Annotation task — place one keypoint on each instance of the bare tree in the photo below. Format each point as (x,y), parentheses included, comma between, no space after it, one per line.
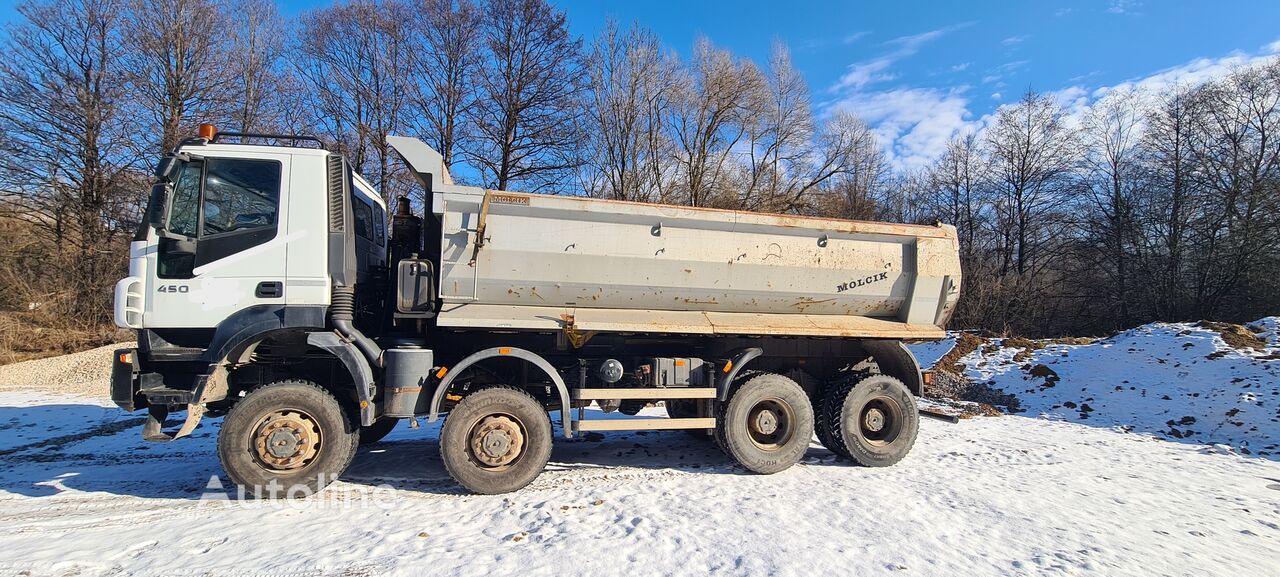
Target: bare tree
(781,134)
(1112,136)
(179,61)
(354,61)
(526,116)
(632,79)
(63,93)
(851,171)
(446,63)
(1236,148)
(1033,155)
(257,39)
(1168,199)
(958,181)
(710,117)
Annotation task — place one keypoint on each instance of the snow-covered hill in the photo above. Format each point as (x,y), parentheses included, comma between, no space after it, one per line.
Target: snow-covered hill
(1179,381)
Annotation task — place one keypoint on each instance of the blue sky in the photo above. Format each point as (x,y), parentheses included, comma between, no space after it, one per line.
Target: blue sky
(919,71)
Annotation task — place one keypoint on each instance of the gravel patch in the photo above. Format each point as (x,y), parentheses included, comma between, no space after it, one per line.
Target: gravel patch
(86,373)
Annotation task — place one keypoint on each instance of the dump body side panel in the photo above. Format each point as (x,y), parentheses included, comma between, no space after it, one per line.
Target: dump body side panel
(623,263)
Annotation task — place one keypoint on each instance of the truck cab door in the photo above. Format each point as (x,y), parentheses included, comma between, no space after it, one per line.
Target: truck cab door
(221,248)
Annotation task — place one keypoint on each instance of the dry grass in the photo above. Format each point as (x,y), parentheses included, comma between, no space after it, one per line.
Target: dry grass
(1236,336)
(26,336)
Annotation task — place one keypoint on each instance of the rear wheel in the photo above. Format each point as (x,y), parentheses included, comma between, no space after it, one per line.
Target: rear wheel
(873,420)
(287,439)
(496,440)
(827,414)
(767,424)
(378,430)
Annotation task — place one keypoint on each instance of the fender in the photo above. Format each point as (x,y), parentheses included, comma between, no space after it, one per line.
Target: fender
(356,364)
(242,329)
(739,359)
(521,354)
(248,325)
(896,360)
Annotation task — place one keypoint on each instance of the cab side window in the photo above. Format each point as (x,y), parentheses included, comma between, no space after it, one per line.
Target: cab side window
(379,226)
(364,218)
(240,194)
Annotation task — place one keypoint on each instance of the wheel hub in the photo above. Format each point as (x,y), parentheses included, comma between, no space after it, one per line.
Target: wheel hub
(880,420)
(873,420)
(286,439)
(770,424)
(496,441)
(766,422)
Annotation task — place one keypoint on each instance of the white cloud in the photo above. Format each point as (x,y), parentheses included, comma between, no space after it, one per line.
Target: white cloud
(914,124)
(961,67)
(854,37)
(866,72)
(1124,6)
(1012,40)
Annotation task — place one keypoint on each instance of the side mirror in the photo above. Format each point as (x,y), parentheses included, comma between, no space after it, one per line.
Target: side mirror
(164,169)
(159,205)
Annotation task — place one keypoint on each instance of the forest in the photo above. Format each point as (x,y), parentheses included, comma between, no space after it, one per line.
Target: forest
(1142,205)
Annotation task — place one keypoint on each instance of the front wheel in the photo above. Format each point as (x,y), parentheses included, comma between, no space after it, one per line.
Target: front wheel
(287,439)
(496,440)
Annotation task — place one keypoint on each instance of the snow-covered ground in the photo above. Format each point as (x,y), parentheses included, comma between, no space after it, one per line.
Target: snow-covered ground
(1178,381)
(82,494)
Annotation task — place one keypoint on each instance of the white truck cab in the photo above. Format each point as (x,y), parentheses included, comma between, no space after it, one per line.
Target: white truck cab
(237,226)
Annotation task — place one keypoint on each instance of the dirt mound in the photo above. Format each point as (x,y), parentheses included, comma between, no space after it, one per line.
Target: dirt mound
(965,343)
(85,373)
(952,386)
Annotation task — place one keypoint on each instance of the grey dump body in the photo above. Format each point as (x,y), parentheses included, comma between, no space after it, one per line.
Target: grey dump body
(514,261)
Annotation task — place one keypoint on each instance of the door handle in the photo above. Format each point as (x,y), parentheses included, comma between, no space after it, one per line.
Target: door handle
(270,289)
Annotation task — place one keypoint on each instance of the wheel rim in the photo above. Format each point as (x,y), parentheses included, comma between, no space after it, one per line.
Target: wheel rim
(496,441)
(286,440)
(880,421)
(771,424)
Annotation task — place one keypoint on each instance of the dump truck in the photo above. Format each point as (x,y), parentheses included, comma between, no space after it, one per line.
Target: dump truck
(268,284)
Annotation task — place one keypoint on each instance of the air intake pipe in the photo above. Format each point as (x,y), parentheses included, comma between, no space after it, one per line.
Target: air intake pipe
(342,313)
(342,260)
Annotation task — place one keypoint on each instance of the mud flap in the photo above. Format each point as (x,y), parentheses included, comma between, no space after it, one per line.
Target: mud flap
(156,415)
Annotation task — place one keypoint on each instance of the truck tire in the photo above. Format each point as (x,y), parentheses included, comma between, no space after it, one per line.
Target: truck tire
(822,410)
(496,440)
(290,438)
(820,427)
(767,424)
(872,420)
(378,430)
